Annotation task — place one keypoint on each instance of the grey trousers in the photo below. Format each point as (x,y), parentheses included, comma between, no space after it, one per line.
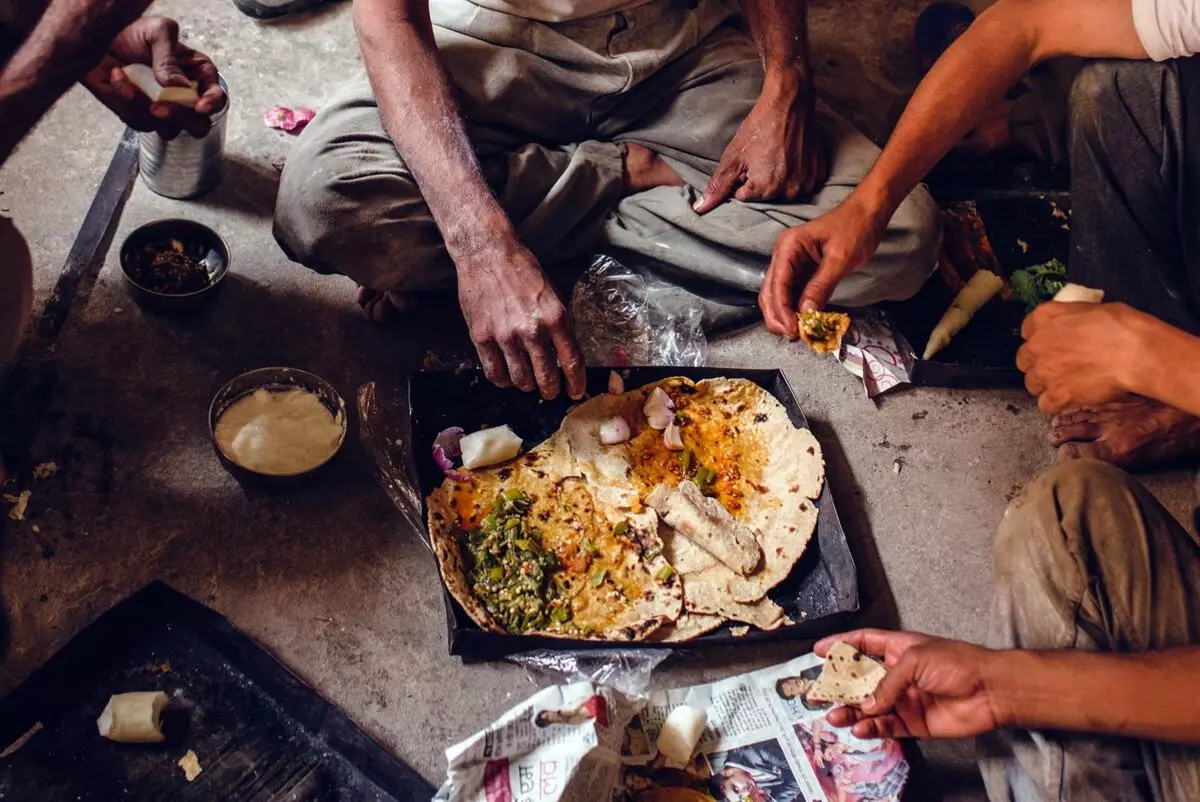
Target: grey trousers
(546,106)
(1135,180)
(1088,559)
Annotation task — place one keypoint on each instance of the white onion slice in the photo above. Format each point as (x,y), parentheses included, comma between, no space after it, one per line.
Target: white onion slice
(672,438)
(659,409)
(614,431)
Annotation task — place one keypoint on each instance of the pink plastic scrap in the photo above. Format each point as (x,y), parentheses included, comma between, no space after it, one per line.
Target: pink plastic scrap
(290,120)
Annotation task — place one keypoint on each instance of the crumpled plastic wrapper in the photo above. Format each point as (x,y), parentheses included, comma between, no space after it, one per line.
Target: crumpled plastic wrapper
(627,670)
(384,428)
(876,352)
(619,321)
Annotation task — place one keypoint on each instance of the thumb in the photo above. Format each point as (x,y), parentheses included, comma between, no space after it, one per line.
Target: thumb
(897,680)
(164,43)
(719,187)
(819,289)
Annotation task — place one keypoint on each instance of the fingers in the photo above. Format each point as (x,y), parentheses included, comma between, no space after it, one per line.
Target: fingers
(831,269)
(893,685)
(571,360)
(728,174)
(890,726)
(164,42)
(201,70)
(789,261)
(494,368)
(873,642)
(545,366)
(131,103)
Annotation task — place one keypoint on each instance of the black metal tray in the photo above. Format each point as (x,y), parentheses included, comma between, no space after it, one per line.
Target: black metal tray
(260,733)
(820,595)
(1023,231)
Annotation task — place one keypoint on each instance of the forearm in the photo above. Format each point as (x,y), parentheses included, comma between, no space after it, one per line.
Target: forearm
(1165,365)
(976,71)
(420,115)
(67,41)
(780,30)
(1149,695)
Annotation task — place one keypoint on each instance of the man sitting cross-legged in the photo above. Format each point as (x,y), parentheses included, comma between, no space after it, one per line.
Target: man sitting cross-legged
(489,139)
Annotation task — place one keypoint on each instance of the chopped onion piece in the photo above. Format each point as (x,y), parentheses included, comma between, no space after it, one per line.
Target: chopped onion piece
(672,438)
(616,385)
(446,449)
(613,431)
(659,409)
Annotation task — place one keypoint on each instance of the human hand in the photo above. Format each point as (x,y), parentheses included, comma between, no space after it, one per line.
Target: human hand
(775,155)
(934,688)
(518,324)
(810,260)
(1080,354)
(155,41)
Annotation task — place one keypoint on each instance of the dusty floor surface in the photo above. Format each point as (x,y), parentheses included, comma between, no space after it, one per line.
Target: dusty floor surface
(329,579)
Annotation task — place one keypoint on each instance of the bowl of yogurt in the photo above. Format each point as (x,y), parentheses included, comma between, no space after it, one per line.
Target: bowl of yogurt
(277,425)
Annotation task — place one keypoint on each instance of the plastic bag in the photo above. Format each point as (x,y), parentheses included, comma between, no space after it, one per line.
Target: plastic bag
(627,670)
(621,319)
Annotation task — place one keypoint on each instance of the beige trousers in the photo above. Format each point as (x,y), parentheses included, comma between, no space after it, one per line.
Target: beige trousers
(1088,559)
(546,107)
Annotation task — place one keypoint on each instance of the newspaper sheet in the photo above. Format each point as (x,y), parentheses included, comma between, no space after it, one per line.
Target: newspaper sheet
(763,743)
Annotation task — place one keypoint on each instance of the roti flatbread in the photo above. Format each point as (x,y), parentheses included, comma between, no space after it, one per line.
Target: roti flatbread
(707,524)
(848,678)
(604,568)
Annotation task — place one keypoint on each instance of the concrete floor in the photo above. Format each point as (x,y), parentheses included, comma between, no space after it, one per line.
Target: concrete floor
(328,579)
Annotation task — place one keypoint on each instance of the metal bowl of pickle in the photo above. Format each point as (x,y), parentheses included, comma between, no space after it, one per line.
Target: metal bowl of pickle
(174,265)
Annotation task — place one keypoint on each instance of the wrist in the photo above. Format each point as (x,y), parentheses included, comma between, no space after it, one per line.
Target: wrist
(1001,673)
(788,85)
(1142,369)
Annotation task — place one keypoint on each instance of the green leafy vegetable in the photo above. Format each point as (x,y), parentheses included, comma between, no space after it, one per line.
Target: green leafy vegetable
(1035,285)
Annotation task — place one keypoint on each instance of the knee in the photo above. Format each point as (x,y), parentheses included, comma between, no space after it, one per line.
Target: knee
(917,226)
(309,222)
(1095,101)
(16,288)
(1046,524)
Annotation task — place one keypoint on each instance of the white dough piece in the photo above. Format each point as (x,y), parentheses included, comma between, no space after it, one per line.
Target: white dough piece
(143,78)
(1078,294)
(489,447)
(133,718)
(982,287)
(680,734)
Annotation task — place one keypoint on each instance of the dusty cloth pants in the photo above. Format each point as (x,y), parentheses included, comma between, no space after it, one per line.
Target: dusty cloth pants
(16,289)
(1088,559)
(1135,181)
(546,106)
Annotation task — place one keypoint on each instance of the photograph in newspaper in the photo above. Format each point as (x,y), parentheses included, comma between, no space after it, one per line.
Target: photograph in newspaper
(794,692)
(757,772)
(850,769)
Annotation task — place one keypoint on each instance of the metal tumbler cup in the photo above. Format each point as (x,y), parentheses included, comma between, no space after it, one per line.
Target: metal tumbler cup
(186,166)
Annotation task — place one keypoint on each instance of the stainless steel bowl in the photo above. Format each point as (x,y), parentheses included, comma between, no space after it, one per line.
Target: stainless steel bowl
(276,380)
(216,259)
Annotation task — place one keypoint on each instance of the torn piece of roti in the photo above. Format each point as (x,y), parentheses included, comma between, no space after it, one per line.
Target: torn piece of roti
(848,678)
(706,523)
(823,331)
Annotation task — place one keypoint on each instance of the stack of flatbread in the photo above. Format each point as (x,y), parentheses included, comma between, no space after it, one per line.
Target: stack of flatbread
(730,535)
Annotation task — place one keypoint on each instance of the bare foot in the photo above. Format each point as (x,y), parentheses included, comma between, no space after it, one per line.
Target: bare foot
(1132,433)
(379,306)
(645,169)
